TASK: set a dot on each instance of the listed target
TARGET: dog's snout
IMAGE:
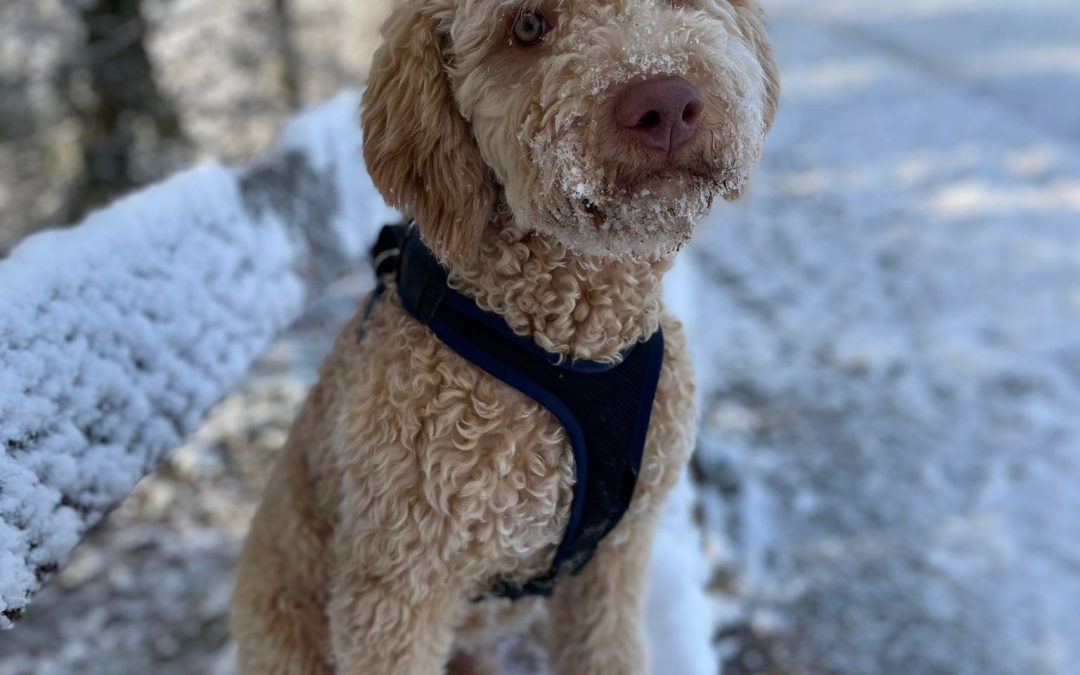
(660, 115)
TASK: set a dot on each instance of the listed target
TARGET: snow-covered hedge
(116, 336)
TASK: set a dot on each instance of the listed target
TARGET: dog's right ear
(419, 150)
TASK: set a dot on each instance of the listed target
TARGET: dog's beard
(598, 208)
(651, 221)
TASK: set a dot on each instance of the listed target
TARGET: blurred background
(100, 97)
(886, 329)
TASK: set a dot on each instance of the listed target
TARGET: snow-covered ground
(887, 333)
(892, 341)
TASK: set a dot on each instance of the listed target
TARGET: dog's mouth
(595, 212)
(657, 186)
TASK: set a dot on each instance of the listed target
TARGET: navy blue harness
(604, 408)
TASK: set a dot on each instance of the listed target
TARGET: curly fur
(412, 481)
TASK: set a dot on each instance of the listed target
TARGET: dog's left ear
(751, 21)
(419, 150)
(751, 18)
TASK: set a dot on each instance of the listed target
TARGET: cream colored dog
(555, 155)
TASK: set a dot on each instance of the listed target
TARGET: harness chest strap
(604, 408)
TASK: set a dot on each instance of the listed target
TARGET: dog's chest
(516, 500)
(491, 470)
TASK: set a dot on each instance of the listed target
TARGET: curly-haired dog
(554, 154)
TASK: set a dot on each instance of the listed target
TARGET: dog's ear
(751, 20)
(419, 150)
(752, 24)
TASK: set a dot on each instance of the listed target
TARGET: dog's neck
(572, 304)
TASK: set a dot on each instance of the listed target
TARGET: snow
(677, 610)
(117, 336)
(890, 447)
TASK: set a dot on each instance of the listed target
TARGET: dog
(554, 156)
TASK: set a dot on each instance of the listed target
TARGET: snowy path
(893, 347)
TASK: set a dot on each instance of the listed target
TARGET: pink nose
(661, 115)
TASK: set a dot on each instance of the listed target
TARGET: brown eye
(530, 29)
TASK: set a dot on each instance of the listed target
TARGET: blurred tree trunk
(113, 91)
(290, 57)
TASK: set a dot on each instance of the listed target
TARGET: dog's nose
(662, 115)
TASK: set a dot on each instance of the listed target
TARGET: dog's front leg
(597, 617)
(392, 626)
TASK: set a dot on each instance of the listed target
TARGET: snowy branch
(118, 335)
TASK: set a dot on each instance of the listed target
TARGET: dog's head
(610, 125)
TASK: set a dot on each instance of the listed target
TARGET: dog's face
(608, 125)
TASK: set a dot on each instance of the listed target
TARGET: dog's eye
(530, 29)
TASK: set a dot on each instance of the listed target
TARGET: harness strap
(603, 408)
